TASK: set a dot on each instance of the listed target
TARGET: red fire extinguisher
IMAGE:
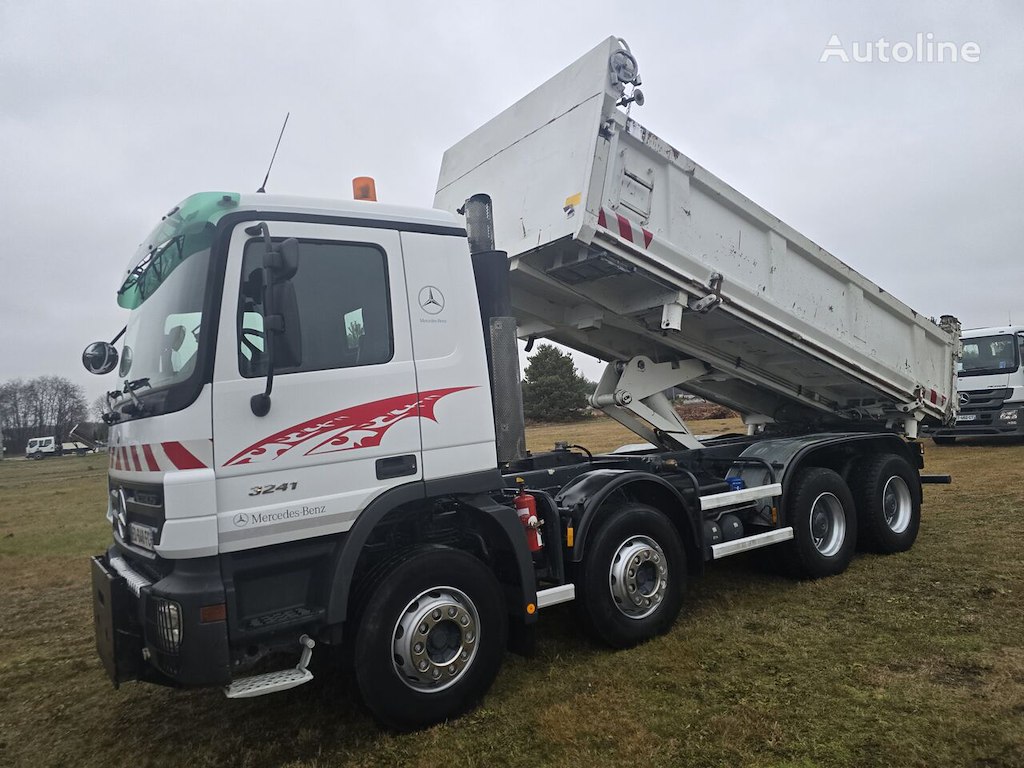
(526, 507)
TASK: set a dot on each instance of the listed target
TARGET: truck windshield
(165, 289)
(990, 354)
(162, 339)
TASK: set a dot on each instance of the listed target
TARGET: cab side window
(344, 308)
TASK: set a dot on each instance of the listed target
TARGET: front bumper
(1007, 422)
(152, 630)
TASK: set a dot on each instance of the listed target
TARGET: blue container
(736, 483)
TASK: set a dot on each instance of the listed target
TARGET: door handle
(396, 466)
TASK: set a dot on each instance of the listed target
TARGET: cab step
(279, 680)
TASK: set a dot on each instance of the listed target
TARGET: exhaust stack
(490, 270)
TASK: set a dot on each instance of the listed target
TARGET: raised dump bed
(622, 246)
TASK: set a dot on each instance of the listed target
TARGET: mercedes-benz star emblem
(431, 300)
(241, 520)
(121, 514)
(964, 398)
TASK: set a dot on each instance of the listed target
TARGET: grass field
(909, 660)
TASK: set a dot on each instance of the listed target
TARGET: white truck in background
(318, 434)
(990, 385)
(43, 447)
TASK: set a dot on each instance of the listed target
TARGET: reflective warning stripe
(625, 228)
(161, 457)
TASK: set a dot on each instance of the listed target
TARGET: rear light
(168, 625)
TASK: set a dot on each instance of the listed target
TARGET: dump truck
(42, 447)
(317, 439)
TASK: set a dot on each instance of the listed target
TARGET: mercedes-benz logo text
(431, 299)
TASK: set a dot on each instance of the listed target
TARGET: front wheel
(632, 577)
(888, 496)
(430, 638)
(821, 512)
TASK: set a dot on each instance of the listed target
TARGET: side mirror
(100, 357)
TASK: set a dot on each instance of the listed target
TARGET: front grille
(143, 510)
(984, 400)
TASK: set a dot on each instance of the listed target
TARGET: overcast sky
(110, 113)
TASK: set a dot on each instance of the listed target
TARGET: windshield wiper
(136, 407)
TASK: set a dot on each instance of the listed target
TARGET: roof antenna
(263, 186)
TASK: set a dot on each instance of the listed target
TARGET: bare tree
(46, 405)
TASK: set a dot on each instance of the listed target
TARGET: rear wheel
(632, 577)
(887, 492)
(821, 512)
(430, 638)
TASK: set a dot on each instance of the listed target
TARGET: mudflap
(118, 637)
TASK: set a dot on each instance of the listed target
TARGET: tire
(623, 606)
(943, 440)
(459, 601)
(821, 511)
(887, 492)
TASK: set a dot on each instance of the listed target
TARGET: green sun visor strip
(187, 229)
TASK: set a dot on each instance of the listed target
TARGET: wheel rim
(828, 524)
(638, 577)
(435, 639)
(896, 504)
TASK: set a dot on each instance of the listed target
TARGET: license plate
(967, 417)
(142, 535)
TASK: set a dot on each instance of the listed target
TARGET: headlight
(168, 624)
(1009, 417)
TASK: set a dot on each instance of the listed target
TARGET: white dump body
(615, 238)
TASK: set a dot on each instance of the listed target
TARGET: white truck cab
(41, 447)
(990, 385)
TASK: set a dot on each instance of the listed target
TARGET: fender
(584, 496)
(503, 519)
(788, 455)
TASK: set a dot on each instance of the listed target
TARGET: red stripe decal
(647, 238)
(123, 458)
(151, 464)
(181, 457)
(135, 459)
(601, 220)
(935, 396)
(360, 426)
(624, 227)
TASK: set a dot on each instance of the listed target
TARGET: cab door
(343, 422)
